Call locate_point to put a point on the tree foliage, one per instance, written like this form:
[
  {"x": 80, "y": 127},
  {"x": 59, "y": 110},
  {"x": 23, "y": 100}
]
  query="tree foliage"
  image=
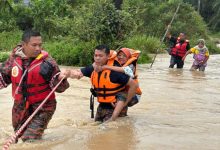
[
  {"x": 210, "y": 11},
  {"x": 76, "y": 26}
]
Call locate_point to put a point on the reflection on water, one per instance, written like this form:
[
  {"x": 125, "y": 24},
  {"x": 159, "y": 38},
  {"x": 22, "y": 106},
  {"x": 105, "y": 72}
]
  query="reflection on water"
[
  {"x": 120, "y": 138},
  {"x": 198, "y": 75},
  {"x": 179, "y": 109}
]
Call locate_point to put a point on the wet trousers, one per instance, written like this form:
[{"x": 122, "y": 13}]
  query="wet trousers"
[{"x": 38, "y": 124}]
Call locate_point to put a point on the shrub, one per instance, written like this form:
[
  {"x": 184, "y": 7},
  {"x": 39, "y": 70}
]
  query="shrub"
[
  {"x": 8, "y": 40},
  {"x": 73, "y": 28},
  {"x": 4, "y": 56},
  {"x": 146, "y": 44},
  {"x": 213, "y": 49},
  {"x": 63, "y": 52},
  {"x": 73, "y": 54},
  {"x": 101, "y": 21}
]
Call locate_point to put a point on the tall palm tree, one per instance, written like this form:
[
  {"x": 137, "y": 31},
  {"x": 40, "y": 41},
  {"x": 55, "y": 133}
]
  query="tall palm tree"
[
  {"x": 209, "y": 10},
  {"x": 215, "y": 19}
]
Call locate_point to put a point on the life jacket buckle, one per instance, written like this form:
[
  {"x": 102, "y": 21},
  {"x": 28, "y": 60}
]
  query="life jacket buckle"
[{"x": 93, "y": 92}]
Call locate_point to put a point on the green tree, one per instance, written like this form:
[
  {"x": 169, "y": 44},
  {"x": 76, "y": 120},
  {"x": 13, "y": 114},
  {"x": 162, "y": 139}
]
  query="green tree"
[
  {"x": 5, "y": 6},
  {"x": 154, "y": 16},
  {"x": 7, "y": 16},
  {"x": 104, "y": 23},
  {"x": 210, "y": 11}
]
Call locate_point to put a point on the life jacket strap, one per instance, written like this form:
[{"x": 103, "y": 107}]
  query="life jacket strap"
[
  {"x": 33, "y": 85},
  {"x": 108, "y": 89},
  {"x": 34, "y": 93},
  {"x": 92, "y": 105},
  {"x": 93, "y": 92},
  {"x": 110, "y": 94}
]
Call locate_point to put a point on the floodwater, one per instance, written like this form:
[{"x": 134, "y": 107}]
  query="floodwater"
[{"x": 179, "y": 109}]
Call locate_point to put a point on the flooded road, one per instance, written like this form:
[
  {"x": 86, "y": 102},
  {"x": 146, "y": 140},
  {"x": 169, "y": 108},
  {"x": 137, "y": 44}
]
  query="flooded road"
[{"x": 179, "y": 109}]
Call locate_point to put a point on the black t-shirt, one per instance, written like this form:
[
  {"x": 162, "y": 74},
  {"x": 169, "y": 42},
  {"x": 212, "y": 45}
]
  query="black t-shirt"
[
  {"x": 115, "y": 77},
  {"x": 173, "y": 42}
]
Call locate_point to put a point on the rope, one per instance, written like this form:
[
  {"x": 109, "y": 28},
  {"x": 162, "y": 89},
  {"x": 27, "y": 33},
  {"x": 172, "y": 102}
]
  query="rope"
[
  {"x": 161, "y": 42},
  {"x": 93, "y": 94},
  {"x": 13, "y": 137}
]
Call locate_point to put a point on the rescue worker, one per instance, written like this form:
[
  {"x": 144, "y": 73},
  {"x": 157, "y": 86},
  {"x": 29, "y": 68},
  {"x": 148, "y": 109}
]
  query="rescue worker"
[
  {"x": 179, "y": 47},
  {"x": 128, "y": 59},
  {"x": 106, "y": 84},
  {"x": 201, "y": 56},
  {"x": 33, "y": 74}
]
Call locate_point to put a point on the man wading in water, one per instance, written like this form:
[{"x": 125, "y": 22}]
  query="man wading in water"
[
  {"x": 106, "y": 84},
  {"x": 33, "y": 74},
  {"x": 178, "y": 49},
  {"x": 128, "y": 59}
]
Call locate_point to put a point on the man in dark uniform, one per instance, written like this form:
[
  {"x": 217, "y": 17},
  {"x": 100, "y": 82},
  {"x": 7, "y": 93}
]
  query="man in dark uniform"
[
  {"x": 106, "y": 84},
  {"x": 33, "y": 74},
  {"x": 179, "y": 47}
]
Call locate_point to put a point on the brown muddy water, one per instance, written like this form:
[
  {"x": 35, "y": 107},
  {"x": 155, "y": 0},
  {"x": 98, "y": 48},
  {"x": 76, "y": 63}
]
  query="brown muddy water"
[{"x": 179, "y": 109}]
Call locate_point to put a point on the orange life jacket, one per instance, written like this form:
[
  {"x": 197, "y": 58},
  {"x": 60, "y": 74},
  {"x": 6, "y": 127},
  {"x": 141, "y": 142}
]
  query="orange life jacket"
[
  {"x": 179, "y": 49},
  {"x": 104, "y": 88},
  {"x": 36, "y": 87},
  {"x": 133, "y": 60}
]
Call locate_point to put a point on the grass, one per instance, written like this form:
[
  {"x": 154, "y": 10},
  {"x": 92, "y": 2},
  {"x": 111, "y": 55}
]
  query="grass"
[{"x": 67, "y": 51}]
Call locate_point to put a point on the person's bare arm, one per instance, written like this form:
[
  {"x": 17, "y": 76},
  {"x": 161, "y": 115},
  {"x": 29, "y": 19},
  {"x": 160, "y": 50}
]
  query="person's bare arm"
[
  {"x": 114, "y": 68},
  {"x": 132, "y": 90},
  {"x": 187, "y": 53},
  {"x": 168, "y": 35},
  {"x": 126, "y": 70},
  {"x": 98, "y": 68},
  {"x": 71, "y": 73},
  {"x": 121, "y": 104},
  {"x": 76, "y": 74}
]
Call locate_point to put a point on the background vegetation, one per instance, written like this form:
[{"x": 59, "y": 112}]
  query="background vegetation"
[{"x": 72, "y": 28}]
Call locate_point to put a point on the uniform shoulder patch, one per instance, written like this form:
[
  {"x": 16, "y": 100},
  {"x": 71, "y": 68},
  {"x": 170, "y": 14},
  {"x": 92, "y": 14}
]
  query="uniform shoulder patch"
[{"x": 14, "y": 71}]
